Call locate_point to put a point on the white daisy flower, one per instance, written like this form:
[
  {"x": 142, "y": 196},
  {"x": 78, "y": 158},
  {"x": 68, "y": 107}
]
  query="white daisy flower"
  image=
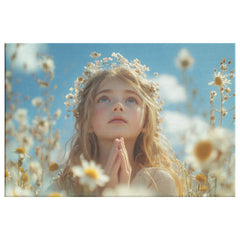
[
  {"x": 16, "y": 191},
  {"x": 211, "y": 149},
  {"x": 37, "y": 102},
  {"x": 90, "y": 174},
  {"x": 223, "y": 66},
  {"x": 57, "y": 113},
  {"x": 184, "y": 59},
  {"x": 41, "y": 125},
  {"x": 25, "y": 140},
  {"x": 21, "y": 115},
  {"x": 35, "y": 168},
  {"x": 213, "y": 94},
  {"x": 220, "y": 80},
  {"x": 47, "y": 65},
  {"x": 95, "y": 55},
  {"x": 222, "y": 139}
]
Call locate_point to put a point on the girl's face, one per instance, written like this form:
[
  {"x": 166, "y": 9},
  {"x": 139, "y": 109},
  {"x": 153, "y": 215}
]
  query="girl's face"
[{"x": 118, "y": 111}]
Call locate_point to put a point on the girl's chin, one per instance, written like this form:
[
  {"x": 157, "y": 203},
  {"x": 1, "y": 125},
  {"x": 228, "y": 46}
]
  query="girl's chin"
[
  {"x": 117, "y": 134},
  {"x": 113, "y": 137}
]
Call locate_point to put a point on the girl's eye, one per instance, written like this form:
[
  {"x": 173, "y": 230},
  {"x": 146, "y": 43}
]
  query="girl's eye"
[
  {"x": 103, "y": 99},
  {"x": 132, "y": 100}
]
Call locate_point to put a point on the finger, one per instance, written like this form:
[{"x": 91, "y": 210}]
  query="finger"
[
  {"x": 124, "y": 151},
  {"x": 116, "y": 166},
  {"x": 113, "y": 153},
  {"x": 125, "y": 166},
  {"x": 122, "y": 144},
  {"x": 125, "y": 171},
  {"x": 123, "y": 160}
]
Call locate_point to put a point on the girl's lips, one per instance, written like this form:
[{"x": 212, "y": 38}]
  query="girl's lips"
[{"x": 118, "y": 120}]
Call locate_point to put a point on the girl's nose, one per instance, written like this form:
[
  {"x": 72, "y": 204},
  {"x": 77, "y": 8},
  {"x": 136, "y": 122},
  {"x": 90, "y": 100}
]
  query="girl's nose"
[{"x": 118, "y": 106}]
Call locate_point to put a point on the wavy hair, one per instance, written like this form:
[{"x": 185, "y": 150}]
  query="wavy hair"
[{"x": 151, "y": 148}]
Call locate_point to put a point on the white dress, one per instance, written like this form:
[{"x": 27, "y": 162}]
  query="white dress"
[{"x": 155, "y": 181}]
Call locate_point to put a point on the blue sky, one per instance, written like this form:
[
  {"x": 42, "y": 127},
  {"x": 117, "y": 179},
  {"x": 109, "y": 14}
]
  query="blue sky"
[{"x": 70, "y": 59}]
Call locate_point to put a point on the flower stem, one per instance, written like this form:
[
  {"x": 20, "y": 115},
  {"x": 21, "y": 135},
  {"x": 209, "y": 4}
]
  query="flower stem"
[{"x": 221, "y": 108}]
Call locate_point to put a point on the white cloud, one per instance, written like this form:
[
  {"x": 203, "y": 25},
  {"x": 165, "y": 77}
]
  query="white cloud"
[
  {"x": 26, "y": 54},
  {"x": 177, "y": 124},
  {"x": 170, "y": 90}
]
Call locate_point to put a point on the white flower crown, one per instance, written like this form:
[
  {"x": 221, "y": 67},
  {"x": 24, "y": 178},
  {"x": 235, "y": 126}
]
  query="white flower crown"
[{"x": 116, "y": 59}]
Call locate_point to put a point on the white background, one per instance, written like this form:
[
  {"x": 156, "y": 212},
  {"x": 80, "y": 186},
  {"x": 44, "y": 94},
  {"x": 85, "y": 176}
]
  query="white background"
[{"x": 119, "y": 21}]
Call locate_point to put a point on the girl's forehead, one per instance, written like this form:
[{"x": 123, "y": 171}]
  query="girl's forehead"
[{"x": 115, "y": 83}]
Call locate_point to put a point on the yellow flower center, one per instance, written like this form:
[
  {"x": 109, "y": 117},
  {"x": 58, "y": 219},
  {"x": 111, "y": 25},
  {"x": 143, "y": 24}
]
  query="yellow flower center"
[
  {"x": 203, "y": 188},
  {"x": 91, "y": 173},
  {"x": 6, "y": 174},
  {"x": 218, "y": 81},
  {"x": 203, "y": 150},
  {"x": 201, "y": 178},
  {"x": 15, "y": 194},
  {"x": 21, "y": 169},
  {"x": 41, "y": 123},
  {"x": 20, "y": 150},
  {"x": 185, "y": 63},
  {"x": 53, "y": 167},
  {"x": 25, "y": 177},
  {"x": 55, "y": 194}
]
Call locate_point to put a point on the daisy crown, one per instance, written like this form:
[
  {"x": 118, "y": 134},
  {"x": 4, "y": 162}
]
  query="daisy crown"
[{"x": 106, "y": 63}]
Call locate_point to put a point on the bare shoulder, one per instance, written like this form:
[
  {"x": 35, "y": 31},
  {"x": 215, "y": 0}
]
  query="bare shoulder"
[{"x": 158, "y": 180}]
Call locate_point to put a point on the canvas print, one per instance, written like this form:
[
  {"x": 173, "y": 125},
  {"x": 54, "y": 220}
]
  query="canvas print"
[{"x": 113, "y": 120}]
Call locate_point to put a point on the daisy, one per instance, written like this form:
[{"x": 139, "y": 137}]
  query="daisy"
[
  {"x": 41, "y": 125},
  {"x": 211, "y": 149},
  {"x": 95, "y": 55},
  {"x": 90, "y": 174},
  {"x": 37, "y": 102},
  {"x": 24, "y": 177},
  {"x": 220, "y": 80},
  {"x": 20, "y": 192},
  {"x": 53, "y": 167},
  {"x": 223, "y": 66},
  {"x": 222, "y": 139},
  {"x": 16, "y": 191},
  {"x": 213, "y": 94},
  {"x": 57, "y": 113},
  {"x": 7, "y": 175},
  {"x": 35, "y": 168},
  {"x": 21, "y": 115},
  {"x": 25, "y": 140},
  {"x": 201, "y": 178},
  {"x": 184, "y": 59},
  {"x": 47, "y": 65},
  {"x": 21, "y": 152}
]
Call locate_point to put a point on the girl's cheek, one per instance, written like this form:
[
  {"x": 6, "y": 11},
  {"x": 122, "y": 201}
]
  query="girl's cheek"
[
  {"x": 99, "y": 113},
  {"x": 98, "y": 119},
  {"x": 140, "y": 114}
]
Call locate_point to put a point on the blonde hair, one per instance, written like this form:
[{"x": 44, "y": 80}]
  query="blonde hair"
[{"x": 151, "y": 149}]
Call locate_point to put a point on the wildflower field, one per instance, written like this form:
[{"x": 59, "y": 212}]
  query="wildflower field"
[{"x": 198, "y": 117}]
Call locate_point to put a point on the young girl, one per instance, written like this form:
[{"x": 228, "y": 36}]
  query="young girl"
[{"x": 117, "y": 126}]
